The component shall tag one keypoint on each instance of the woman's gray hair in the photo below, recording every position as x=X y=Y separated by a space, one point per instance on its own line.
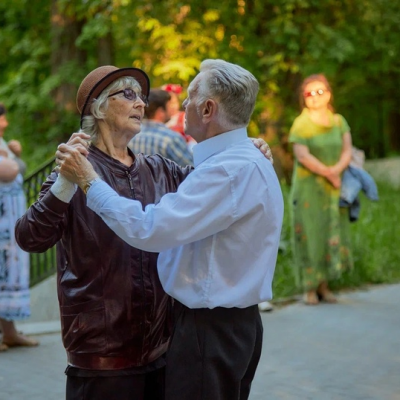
x=233 y=87
x=98 y=107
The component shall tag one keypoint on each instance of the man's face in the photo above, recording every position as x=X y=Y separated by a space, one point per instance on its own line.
x=194 y=125
x=3 y=124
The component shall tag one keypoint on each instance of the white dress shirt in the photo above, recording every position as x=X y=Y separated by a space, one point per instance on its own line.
x=218 y=235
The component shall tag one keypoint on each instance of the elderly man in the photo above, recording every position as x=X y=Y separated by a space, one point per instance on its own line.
x=218 y=236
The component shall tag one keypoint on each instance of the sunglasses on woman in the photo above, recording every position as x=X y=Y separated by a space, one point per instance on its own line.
x=314 y=93
x=131 y=95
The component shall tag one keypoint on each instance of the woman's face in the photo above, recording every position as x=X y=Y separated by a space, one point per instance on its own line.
x=316 y=96
x=125 y=116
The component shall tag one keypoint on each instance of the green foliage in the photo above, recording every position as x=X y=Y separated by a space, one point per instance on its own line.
x=284 y=283
x=374 y=246
x=46 y=48
x=374 y=238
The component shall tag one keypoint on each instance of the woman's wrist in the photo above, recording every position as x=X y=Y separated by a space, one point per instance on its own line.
x=324 y=170
x=339 y=168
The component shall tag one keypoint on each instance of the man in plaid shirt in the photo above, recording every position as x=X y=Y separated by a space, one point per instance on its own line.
x=155 y=137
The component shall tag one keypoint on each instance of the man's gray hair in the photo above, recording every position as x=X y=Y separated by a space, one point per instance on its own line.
x=233 y=87
x=99 y=106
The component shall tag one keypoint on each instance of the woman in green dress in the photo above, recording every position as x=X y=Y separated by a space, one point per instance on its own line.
x=320 y=229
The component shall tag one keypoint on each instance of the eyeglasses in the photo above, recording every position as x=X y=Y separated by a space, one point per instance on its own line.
x=313 y=93
x=131 y=95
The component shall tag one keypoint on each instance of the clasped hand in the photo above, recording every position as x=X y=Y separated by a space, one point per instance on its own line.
x=333 y=176
x=71 y=159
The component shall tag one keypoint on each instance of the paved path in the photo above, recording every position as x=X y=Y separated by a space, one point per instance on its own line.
x=348 y=351
x=345 y=351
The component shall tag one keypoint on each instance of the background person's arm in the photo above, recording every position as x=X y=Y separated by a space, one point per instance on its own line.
x=9 y=169
x=345 y=156
x=305 y=158
x=16 y=148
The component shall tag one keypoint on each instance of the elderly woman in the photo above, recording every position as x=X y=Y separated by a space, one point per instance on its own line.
x=115 y=315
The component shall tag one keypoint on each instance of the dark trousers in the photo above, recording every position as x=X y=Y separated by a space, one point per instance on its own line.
x=146 y=386
x=213 y=353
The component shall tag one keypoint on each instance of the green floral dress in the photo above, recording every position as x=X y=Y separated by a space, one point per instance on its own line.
x=320 y=228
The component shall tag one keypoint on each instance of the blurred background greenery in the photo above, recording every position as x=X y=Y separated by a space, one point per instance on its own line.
x=48 y=46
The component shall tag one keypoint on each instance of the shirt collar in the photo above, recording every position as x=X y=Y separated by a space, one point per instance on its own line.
x=216 y=144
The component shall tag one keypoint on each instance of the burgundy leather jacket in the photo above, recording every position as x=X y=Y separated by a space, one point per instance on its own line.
x=114 y=312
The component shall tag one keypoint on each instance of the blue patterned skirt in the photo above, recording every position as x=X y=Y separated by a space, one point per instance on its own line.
x=14 y=263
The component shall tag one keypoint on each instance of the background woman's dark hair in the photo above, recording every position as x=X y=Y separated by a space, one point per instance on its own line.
x=2 y=109
x=315 y=78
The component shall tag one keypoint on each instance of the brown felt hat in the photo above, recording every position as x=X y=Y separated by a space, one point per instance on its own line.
x=97 y=80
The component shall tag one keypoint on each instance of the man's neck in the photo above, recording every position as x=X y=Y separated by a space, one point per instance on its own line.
x=218 y=129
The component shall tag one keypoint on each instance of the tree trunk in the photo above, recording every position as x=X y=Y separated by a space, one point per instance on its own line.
x=65 y=30
x=105 y=50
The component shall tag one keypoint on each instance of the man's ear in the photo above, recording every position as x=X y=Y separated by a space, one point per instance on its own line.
x=210 y=110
